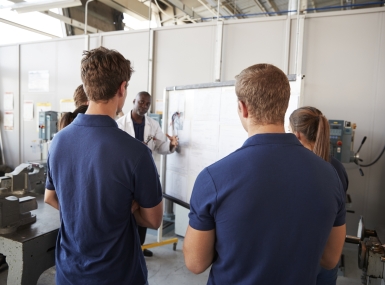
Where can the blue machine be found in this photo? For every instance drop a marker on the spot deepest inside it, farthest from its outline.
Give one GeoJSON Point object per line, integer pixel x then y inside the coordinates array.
{"type": "Point", "coordinates": [156, 117]}
{"type": "Point", "coordinates": [47, 124]}
{"type": "Point", "coordinates": [341, 140]}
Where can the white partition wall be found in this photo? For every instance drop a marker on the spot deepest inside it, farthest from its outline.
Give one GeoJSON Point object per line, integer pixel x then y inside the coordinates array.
{"type": "Point", "coordinates": [135, 47]}
{"type": "Point", "coordinates": [61, 60]}
{"type": "Point", "coordinates": [344, 67]}
{"type": "Point", "coordinates": [9, 83]}
{"type": "Point", "coordinates": [183, 56]}
{"type": "Point", "coordinates": [255, 41]}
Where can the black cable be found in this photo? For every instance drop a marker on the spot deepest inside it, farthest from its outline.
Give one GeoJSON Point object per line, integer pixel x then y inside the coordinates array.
{"type": "Point", "coordinates": [370, 164]}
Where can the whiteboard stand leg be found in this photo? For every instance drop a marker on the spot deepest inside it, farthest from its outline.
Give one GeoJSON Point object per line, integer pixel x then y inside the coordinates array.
{"type": "Point", "coordinates": [161, 242]}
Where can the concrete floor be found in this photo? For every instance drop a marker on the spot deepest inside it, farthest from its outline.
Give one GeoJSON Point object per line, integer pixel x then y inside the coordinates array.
{"type": "Point", "coordinates": [167, 267]}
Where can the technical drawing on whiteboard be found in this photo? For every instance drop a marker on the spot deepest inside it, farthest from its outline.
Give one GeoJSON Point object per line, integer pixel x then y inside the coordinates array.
{"type": "Point", "coordinates": [176, 122]}
{"type": "Point", "coordinates": [205, 118]}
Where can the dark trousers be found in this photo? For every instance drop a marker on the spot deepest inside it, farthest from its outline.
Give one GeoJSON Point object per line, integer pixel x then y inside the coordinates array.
{"type": "Point", "coordinates": [142, 234]}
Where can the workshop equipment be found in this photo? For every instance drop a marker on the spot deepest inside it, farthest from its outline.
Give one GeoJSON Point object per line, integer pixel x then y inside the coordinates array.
{"type": "Point", "coordinates": [342, 140]}
{"type": "Point", "coordinates": [47, 125]}
{"type": "Point", "coordinates": [30, 250]}
{"type": "Point", "coordinates": [25, 178]}
{"type": "Point", "coordinates": [15, 206]}
{"type": "Point", "coordinates": [371, 253]}
{"type": "Point", "coordinates": [15, 212]}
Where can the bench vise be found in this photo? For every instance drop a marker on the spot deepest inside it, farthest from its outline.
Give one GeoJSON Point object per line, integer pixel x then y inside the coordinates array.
{"type": "Point", "coordinates": [25, 178]}
{"type": "Point", "coordinates": [15, 212]}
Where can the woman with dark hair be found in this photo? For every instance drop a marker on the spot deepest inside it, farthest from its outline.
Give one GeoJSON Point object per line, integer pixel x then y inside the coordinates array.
{"type": "Point", "coordinates": [68, 117]}
{"type": "Point", "coordinates": [65, 120]}
{"type": "Point", "coordinates": [312, 129]}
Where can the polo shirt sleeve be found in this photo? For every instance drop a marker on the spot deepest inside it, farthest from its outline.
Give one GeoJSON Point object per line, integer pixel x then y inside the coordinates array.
{"type": "Point", "coordinates": [341, 213]}
{"type": "Point", "coordinates": [147, 188]}
{"type": "Point", "coordinates": [203, 203]}
{"type": "Point", "coordinates": [49, 182]}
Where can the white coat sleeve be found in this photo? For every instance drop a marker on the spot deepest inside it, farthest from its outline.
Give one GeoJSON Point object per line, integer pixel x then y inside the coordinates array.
{"type": "Point", "coordinates": [162, 143]}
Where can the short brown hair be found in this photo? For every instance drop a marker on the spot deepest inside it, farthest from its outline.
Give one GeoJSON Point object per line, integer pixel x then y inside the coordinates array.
{"type": "Point", "coordinates": [103, 71]}
{"type": "Point", "coordinates": [312, 124]}
{"type": "Point", "coordinates": [80, 97]}
{"type": "Point", "coordinates": [265, 90]}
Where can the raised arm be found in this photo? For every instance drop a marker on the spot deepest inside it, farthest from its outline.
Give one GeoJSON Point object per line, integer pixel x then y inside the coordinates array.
{"type": "Point", "coordinates": [333, 248]}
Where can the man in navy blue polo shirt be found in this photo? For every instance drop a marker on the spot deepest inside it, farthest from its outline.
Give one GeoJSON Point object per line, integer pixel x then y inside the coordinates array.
{"type": "Point", "coordinates": [272, 211]}
{"type": "Point", "coordinates": [104, 182]}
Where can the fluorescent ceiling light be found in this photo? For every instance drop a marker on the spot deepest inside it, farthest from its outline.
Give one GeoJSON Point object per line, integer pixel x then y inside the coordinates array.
{"type": "Point", "coordinates": [25, 7]}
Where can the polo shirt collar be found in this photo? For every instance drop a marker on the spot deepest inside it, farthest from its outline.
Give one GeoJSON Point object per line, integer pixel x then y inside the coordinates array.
{"type": "Point", "coordinates": [270, 138]}
{"type": "Point", "coordinates": [94, 121]}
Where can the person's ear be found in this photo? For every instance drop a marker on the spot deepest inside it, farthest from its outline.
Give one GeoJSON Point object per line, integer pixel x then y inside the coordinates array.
{"type": "Point", "coordinates": [298, 135]}
{"type": "Point", "coordinates": [243, 109]}
{"type": "Point", "coordinates": [122, 89]}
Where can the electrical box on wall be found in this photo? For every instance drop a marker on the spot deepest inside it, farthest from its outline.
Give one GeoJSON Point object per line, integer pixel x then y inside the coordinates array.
{"type": "Point", "coordinates": [341, 140]}
{"type": "Point", "coordinates": [47, 125]}
{"type": "Point", "coordinates": [156, 117]}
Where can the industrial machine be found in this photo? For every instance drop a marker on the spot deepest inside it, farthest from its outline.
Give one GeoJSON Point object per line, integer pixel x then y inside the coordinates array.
{"type": "Point", "coordinates": [15, 206]}
{"type": "Point", "coordinates": [47, 124]}
{"type": "Point", "coordinates": [371, 253]}
{"type": "Point", "coordinates": [15, 212]}
{"type": "Point", "coordinates": [27, 177]}
{"type": "Point", "coordinates": [48, 127]}
{"type": "Point", "coordinates": [156, 117]}
{"type": "Point", "coordinates": [342, 140]}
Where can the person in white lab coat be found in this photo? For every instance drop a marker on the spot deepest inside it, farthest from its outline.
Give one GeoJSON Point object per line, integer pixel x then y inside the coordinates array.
{"type": "Point", "coordinates": [148, 131]}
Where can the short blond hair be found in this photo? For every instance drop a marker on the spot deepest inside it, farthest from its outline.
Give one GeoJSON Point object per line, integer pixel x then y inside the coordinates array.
{"type": "Point", "coordinates": [265, 90]}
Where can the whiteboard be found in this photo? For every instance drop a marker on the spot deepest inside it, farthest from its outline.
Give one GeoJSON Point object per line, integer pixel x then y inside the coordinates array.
{"type": "Point", "coordinates": [205, 118]}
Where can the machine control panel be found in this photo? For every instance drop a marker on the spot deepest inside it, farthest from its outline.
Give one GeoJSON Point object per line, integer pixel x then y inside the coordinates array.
{"type": "Point", "coordinates": [47, 124]}
{"type": "Point", "coordinates": [341, 140]}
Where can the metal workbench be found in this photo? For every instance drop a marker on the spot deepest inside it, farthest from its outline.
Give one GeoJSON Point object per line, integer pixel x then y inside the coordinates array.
{"type": "Point", "coordinates": [31, 249]}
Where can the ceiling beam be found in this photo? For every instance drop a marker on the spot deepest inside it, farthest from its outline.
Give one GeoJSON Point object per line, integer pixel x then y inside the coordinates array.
{"type": "Point", "coordinates": [208, 8]}
{"type": "Point", "coordinates": [260, 6]}
{"type": "Point", "coordinates": [185, 9]}
{"type": "Point", "coordinates": [72, 22]}
{"type": "Point", "coordinates": [273, 6]}
{"type": "Point", "coordinates": [28, 28]}
{"type": "Point", "coordinates": [133, 8]}
{"type": "Point", "coordinates": [25, 7]}
{"type": "Point", "coordinates": [232, 7]}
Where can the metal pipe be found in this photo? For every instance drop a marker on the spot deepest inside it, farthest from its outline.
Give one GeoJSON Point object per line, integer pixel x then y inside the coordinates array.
{"type": "Point", "coordinates": [218, 11]}
{"type": "Point", "coordinates": [28, 29]}
{"type": "Point", "coordinates": [85, 18]}
{"type": "Point", "coordinates": [200, 1]}
{"type": "Point", "coordinates": [352, 239]}
{"type": "Point", "coordinates": [297, 38]}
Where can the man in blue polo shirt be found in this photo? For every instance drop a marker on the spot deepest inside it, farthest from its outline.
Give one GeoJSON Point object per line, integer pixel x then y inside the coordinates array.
{"type": "Point", "coordinates": [272, 211]}
{"type": "Point", "coordinates": [104, 182]}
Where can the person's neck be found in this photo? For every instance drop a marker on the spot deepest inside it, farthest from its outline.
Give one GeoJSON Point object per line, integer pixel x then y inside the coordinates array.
{"type": "Point", "coordinates": [308, 145]}
{"type": "Point", "coordinates": [137, 118]}
{"type": "Point", "coordinates": [254, 129]}
{"type": "Point", "coordinates": [102, 108]}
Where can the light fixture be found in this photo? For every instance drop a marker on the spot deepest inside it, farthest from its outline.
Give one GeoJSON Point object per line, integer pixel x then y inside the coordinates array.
{"type": "Point", "coordinates": [25, 7]}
